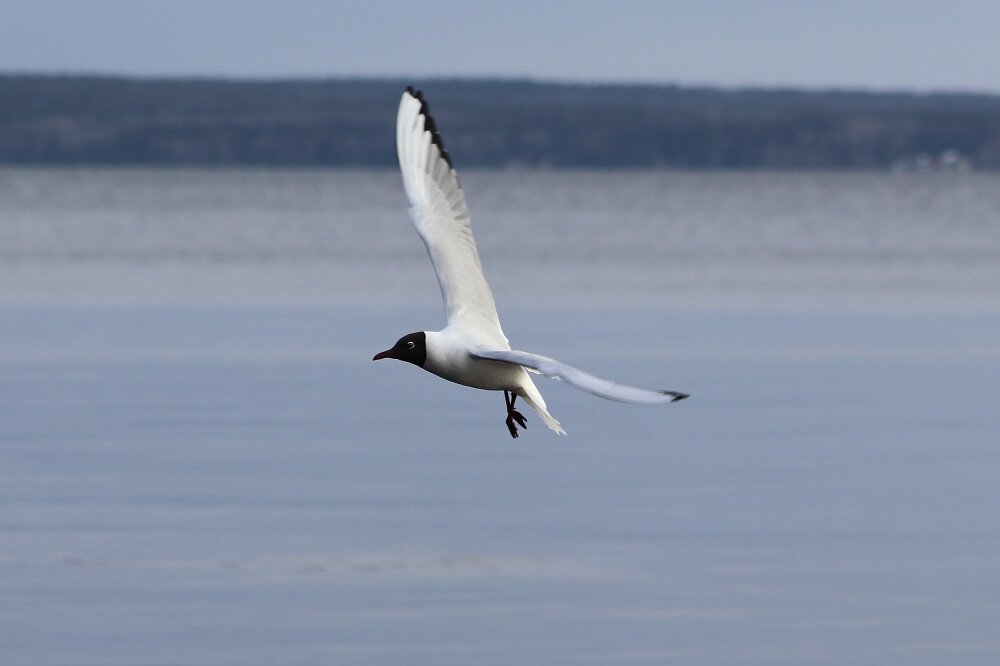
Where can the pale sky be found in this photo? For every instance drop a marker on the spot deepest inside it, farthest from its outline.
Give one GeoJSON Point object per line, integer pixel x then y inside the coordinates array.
{"type": "Point", "coordinates": [876, 44]}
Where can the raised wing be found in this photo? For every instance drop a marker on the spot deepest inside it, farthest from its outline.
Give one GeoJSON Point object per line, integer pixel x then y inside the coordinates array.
{"type": "Point", "coordinates": [604, 388]}
{"type": "Point", "coordinates": [438, 210]}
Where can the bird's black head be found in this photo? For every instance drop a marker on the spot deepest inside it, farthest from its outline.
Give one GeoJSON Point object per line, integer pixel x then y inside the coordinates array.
{"type": "Point", "coordinates": [411, 348]}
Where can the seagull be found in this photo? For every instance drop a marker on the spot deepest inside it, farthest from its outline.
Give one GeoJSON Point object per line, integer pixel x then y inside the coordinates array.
{"type": "Point", "coordinates": [471, 349]}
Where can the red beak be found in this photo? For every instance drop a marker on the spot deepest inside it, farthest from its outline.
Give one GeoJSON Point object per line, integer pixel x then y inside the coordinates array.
{"type": "Point", "coordinates": [386, 354]}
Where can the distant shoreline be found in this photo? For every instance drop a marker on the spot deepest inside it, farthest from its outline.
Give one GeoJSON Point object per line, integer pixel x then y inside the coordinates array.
{"type": "Point", "coordinates": [101, 120]}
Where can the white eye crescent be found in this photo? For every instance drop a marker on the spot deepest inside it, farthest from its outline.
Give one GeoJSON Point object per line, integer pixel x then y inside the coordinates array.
{"type": "Point", "coordinates": [410, 345]}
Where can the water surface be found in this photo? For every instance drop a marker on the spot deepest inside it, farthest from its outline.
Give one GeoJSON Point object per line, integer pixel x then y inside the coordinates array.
{"type": "Point", "coordinates": [201, 465]}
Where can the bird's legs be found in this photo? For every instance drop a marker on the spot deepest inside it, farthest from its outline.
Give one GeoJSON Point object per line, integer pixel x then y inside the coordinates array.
{"type": "Point", "coordinates": [513, 414]}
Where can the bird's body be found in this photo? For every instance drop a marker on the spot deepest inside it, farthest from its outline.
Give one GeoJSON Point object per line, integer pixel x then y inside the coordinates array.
{"type": "Point", "coordinates": [472, 349]}
{"type": "Point", "coordinates": [449, 357]}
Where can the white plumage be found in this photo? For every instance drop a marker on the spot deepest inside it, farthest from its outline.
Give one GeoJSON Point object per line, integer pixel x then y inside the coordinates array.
{"type": "Point", "coordinates": [438, 211]}
{"type": "Point", "coordinates": [472, 349]}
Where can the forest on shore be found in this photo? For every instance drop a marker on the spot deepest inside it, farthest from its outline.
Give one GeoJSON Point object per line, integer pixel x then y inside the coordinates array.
{"type": "Point", "coordinates": [103, 120]}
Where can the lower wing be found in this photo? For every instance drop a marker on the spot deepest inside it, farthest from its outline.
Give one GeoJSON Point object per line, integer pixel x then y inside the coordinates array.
{"type": "Point", "coordinates": [604, 388]}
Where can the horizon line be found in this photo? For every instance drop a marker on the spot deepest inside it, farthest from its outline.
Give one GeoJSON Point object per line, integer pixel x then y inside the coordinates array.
{"type": "Point", "coordinates": [502, 79]}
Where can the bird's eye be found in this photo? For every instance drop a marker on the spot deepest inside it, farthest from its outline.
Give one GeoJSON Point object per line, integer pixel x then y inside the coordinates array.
{"type": "Point", "coordinates": [410, 345]}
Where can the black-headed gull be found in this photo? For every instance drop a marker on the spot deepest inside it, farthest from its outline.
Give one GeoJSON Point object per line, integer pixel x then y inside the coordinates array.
{"type": "Point", "coordinates": [472, 349]}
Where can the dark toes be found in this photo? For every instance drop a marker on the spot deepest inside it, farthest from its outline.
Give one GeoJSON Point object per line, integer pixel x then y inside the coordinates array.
{"type": "Point", "coordinates": [519, 417]}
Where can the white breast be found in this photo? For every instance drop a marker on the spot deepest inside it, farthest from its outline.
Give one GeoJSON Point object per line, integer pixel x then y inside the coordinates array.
{"type": "Point", "coordinates": [448, 357]}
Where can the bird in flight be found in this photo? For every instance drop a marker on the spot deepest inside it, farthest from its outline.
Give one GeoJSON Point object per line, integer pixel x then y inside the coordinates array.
{"type": "Point", "coordinates": [471, 349]}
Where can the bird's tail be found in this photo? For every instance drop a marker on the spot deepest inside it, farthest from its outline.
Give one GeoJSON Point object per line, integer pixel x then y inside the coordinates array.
{"type": "Point", "coordinates": [534, 399]}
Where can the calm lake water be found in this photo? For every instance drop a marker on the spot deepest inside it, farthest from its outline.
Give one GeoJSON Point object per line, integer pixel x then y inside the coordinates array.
{"type": "Point", "coordinates": [200, 463]}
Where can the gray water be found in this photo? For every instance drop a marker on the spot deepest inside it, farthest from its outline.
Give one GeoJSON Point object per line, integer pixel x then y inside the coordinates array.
{"type": "Point", "coordinates": [201, 465]}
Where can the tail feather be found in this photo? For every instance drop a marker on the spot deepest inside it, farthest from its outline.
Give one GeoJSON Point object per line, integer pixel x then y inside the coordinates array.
{"type": "Point", "coordinates": [538, 404]}
{"type": "Point", "coordinates": [547, 418]}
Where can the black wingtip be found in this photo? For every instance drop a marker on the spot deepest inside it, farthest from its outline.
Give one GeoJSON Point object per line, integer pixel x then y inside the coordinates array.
{"type": "Point", "coordinates": [429, 123]}
{"type": "Point", "coordinates": [677, 396]}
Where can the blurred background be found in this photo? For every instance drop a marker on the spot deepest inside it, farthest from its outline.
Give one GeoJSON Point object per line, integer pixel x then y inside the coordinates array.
{"type": "Point", "coordinates": [791, 212]}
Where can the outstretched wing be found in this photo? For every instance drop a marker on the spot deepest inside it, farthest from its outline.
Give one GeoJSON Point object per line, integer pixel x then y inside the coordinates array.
{"type": "Point", "coordinates": [438, 210]}
{"type": "Point", "coordinates": [604, 388]}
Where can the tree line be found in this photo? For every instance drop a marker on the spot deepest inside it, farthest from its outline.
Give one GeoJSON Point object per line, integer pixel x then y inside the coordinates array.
{"type": "Point", "coordinates": [350, 122]}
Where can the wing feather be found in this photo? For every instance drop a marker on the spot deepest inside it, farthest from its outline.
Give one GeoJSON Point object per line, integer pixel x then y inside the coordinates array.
{"type": "Point", "coordinates": [441, 217]}
{"type": "Point", "coordinates": [604, 388]}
